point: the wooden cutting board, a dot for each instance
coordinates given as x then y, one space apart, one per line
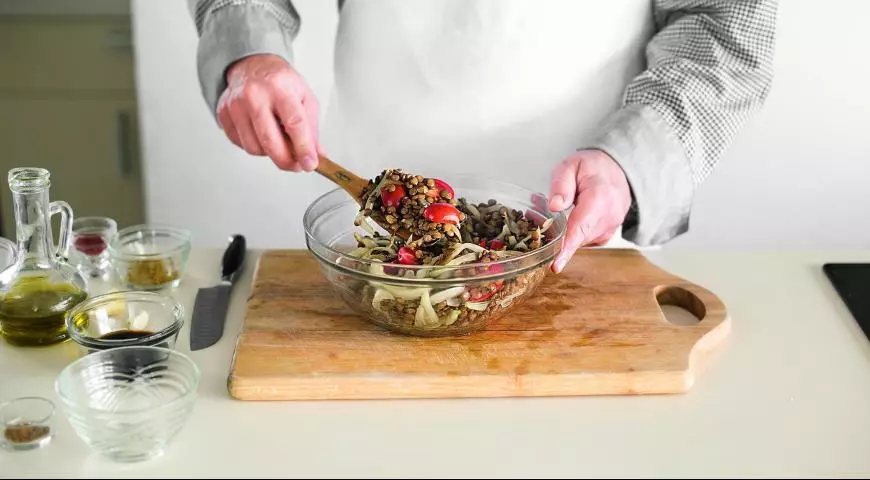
594 329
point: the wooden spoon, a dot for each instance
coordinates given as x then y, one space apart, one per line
347 180
354 185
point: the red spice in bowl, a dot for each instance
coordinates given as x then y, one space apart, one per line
90 243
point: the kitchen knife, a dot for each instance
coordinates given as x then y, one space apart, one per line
210 306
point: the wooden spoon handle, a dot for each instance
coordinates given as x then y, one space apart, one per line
349 181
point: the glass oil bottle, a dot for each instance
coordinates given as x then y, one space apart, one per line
39 288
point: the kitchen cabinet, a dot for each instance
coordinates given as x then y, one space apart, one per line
90 147
83 53
68 104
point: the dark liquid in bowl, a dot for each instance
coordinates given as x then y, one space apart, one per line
126 334
135 363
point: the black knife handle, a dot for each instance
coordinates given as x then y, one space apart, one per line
234 258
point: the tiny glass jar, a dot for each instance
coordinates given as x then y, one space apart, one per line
91 237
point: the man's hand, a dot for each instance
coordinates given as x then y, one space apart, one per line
595 184
267 101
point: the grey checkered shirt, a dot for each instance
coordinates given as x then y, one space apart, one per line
709 68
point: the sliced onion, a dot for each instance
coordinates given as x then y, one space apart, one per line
425 314
420 317
447 294
447 260
378 269
506 301
468 257
479 306
431 315
547 224
451 317
366 226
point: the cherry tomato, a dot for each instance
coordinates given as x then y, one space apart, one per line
496 244
442 213
480 295
441 186
482 243
407 256
394 198
486 292
493 269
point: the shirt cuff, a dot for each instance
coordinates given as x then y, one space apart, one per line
233 32
658 172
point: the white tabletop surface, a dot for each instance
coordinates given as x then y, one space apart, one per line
788 395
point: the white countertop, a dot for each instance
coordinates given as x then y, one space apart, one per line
788 395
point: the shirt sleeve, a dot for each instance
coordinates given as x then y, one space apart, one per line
709 68
230 30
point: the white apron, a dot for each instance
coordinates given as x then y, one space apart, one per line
492 87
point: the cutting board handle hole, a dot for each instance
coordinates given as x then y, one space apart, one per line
680 306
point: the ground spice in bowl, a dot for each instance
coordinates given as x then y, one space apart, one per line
25 432
151 273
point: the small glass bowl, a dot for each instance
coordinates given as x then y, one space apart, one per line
28 423
150 257
129 403
127 318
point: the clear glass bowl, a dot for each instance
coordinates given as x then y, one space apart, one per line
127 318
8 253
150 257
129 403
392 300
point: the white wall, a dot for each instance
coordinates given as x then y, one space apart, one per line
795 177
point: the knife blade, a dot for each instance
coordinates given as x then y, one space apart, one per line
211 303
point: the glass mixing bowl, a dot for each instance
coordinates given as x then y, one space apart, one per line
427 300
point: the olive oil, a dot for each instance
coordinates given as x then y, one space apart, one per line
32 312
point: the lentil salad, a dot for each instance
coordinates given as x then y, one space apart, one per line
444 231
